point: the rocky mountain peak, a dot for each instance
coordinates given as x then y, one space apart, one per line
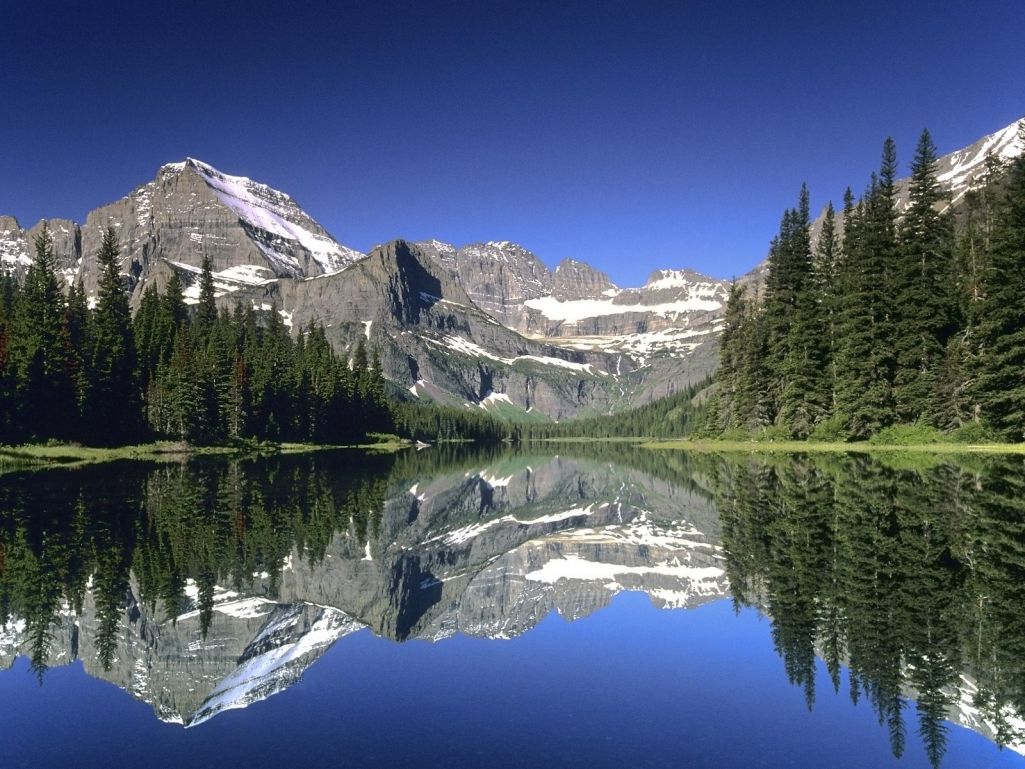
574 279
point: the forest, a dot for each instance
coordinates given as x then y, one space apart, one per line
91 373
888 317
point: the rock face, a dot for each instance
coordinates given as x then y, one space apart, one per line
436 342
250 232
579 280
579 307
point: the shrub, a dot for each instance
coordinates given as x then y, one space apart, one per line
831 430
907 435
974 432
773 434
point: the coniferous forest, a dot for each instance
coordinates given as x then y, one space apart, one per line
97 375
889 317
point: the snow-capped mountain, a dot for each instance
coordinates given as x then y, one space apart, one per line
577 306
252 233
486 325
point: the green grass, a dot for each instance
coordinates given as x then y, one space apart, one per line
823 446
29 456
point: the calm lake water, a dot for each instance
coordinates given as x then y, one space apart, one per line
603 607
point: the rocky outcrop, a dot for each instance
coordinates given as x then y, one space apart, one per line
579 280
434 341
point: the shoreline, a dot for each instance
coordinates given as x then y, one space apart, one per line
69 455
857 447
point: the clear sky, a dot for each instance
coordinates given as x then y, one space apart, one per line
633 135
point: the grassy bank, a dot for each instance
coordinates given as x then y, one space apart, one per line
821 446
73 455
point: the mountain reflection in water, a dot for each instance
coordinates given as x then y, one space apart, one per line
207 586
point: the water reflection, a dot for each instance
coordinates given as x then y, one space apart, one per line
210 585
207 586
908 571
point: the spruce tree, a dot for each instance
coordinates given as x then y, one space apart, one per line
804 368
923 291
45 389
864 392
75 338
206 310
1000 384
826 289
8 380
114 404
730 360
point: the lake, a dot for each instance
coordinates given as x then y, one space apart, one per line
558 605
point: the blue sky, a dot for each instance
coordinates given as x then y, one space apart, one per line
632 135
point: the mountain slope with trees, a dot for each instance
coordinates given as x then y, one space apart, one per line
912 317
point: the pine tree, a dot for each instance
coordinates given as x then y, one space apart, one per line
45 388
730 359
826 289
206 310
864 392
8 381
174 298
1001 360
114 404
75 338
923 291
804 369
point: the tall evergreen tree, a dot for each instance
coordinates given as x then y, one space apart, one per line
45 387
114 394
805 397
864 393
206 310
826 289
923 291
1001 362
76 338
8 380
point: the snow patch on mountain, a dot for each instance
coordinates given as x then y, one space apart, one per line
13 250
466 347
576 310
960 169
225 281
276 213
573 567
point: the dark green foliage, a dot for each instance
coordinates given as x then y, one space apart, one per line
112 408
39 351
923 287
908 319
864 394
206 310
1000 386
101 377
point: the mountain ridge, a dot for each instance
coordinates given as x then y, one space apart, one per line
485 324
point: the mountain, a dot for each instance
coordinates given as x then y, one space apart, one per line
463 326
579 307
251 232
483 325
